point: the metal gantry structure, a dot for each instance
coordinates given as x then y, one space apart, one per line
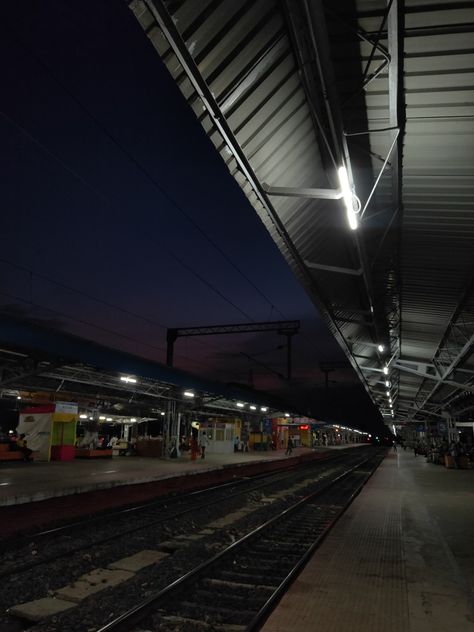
287 328
289 92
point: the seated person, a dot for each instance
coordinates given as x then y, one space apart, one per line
23 448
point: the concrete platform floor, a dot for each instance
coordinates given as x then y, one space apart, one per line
37 495
401 559
30 482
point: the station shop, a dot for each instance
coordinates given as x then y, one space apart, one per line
61 432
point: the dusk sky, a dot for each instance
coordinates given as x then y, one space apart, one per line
115 199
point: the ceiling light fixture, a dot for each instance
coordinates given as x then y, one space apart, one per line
129 380
240 405
385 370
188 394
380 348
348 197
264 409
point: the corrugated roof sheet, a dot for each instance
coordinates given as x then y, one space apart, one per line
253 56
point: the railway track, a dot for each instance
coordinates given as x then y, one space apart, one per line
182 538
62 542
238 587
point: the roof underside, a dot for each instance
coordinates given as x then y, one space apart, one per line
287 92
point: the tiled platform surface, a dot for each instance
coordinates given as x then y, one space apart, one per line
401 559
30 482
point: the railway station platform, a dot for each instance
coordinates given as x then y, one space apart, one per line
400 559
33 494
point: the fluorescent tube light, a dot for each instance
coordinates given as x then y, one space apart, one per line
130 380
347 197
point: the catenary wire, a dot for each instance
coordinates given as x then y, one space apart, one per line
144 171
155 183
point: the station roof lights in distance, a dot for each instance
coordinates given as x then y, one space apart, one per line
351 430
128 379
252 407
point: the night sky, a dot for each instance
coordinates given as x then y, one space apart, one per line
119 219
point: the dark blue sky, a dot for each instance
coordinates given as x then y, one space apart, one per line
111 188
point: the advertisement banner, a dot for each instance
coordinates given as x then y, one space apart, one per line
65 411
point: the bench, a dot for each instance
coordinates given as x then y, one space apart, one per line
85 453
9 455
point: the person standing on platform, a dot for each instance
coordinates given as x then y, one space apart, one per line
236 444
289 447
454 452
203 443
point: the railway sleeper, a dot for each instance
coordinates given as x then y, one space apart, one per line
258 565
182 623
254 579
248 558
204 612
285 548
227 584
231 599
261 555
171 546
305 537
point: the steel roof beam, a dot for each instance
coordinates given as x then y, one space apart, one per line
165 22
321 194
443 379
337 269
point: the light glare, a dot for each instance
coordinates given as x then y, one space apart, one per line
129 380
348 197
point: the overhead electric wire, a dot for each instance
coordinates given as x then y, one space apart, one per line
154 182
147 174
162 245
89 324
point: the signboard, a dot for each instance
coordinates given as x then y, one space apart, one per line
70 408
65 411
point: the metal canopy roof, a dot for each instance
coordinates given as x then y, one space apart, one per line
34 359
290 91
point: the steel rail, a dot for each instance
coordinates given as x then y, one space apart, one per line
40 561
126 621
